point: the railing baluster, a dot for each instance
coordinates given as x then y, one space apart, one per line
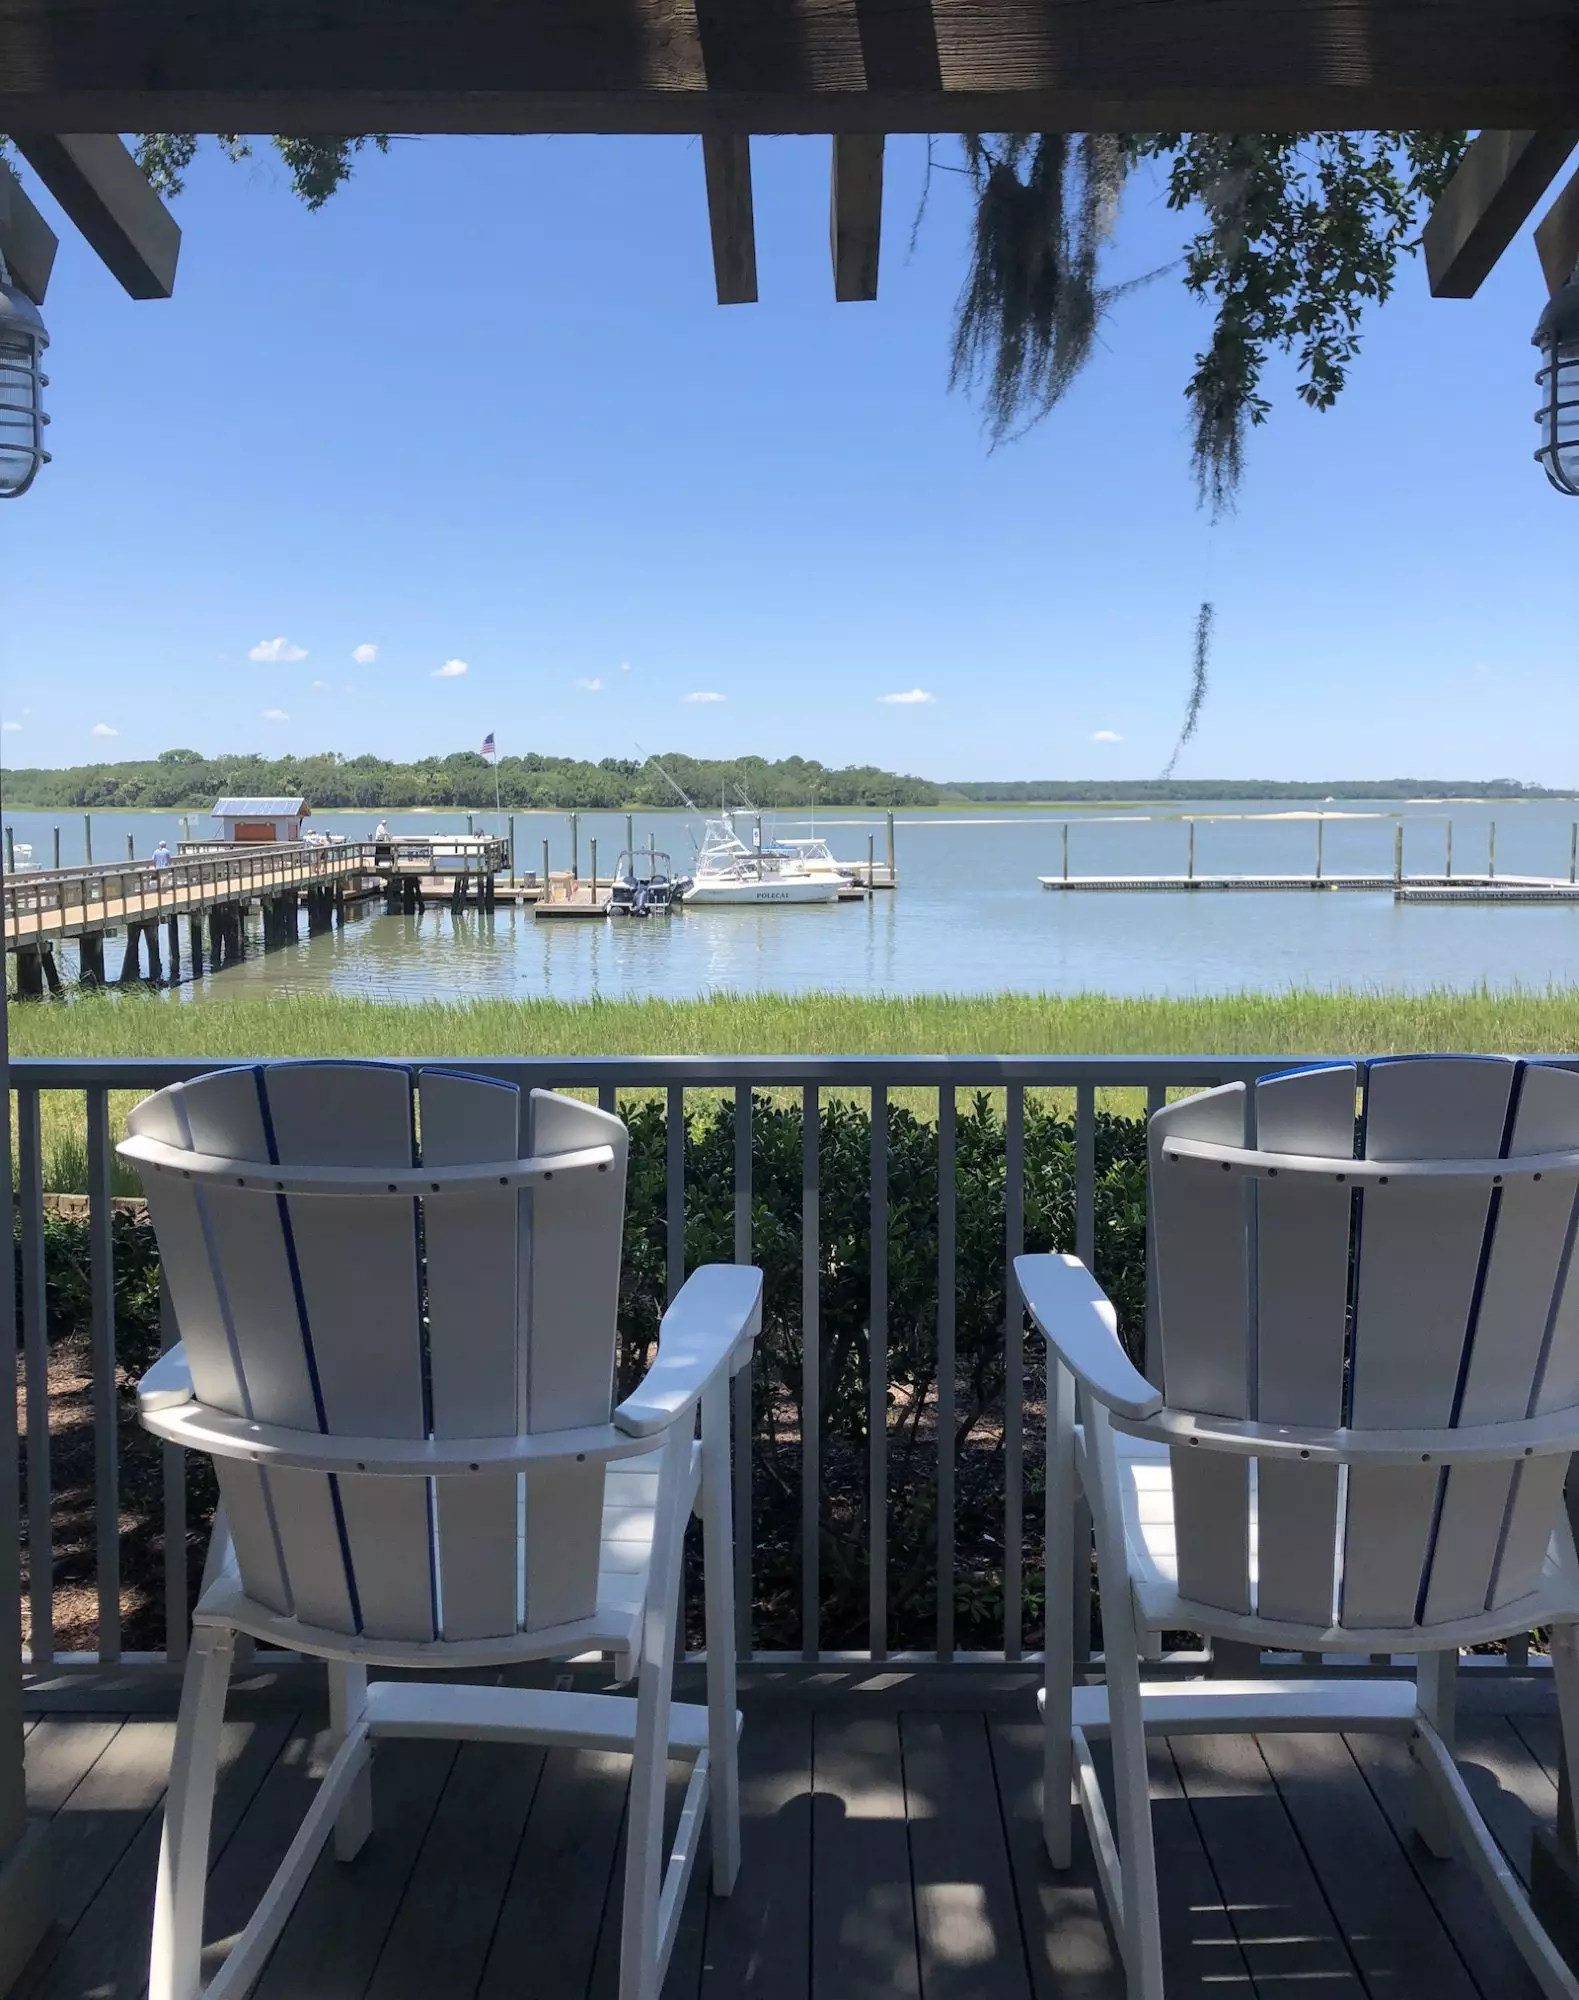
1079 1527
106 1439
35 1349
675 1158
877 1382
744 1416
810 1380
608 1097
947 1417
175 1624
1156 1100
1013 1373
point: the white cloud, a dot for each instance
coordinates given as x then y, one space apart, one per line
702 695
320 686
1106 736
909 699
625 666
275 715
276 652
451 670
10 725
364 655
104 729
592 685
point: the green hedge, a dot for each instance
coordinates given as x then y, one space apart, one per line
844 1142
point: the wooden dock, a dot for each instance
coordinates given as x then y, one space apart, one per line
1403 889
214 887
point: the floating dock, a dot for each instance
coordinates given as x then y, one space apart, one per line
1403 889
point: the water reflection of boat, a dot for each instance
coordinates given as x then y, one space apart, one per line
729 871
645 885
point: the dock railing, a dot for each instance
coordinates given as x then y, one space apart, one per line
806 1164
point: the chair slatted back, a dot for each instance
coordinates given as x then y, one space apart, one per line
1415 1304
483 1314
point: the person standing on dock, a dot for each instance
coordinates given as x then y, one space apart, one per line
161 856
381 831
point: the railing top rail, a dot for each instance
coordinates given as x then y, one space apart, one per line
857 1072
247 854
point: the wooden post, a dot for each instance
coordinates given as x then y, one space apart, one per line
575 849
542 894
87 838
1064 844
131 847
1573 852
1190 864
469 828
194 945
1321 828
630 837
871 863
155 968
56 862
1449 875
29 972
172 932
90 959
594 871
893 879
1398 854
512 850
46 953
10 851
130 957
1491 851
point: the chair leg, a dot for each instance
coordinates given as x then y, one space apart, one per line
1565 1672
1436 1679
723 1746
347 1699
175 1961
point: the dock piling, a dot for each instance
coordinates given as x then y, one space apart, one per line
630 835
1189 872
1321 828
29 970
512 849
1573 852
1398 853
155 967
90 959
131 847
575 848
1447 872
893 879
546 885
10 851
594 871
1064 844
194 945
87 838
56 862
173 945
1491 851
871 862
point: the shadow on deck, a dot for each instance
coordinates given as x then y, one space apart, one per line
892 1847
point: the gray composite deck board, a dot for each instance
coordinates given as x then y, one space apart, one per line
892 1845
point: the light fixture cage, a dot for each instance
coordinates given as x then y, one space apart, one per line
23 340
1557 337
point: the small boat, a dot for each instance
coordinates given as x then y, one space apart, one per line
729 872
645 885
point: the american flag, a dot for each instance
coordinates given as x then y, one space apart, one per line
487 744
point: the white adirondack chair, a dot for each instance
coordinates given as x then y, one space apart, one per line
1369 1358
396 1295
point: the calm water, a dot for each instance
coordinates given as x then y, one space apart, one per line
969 916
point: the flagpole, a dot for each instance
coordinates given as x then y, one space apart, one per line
498 809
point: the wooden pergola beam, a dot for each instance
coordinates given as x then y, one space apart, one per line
1487 202
855 220
726 158
27 242
101 187
1557 238
791 66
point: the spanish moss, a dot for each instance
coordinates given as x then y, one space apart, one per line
1192 708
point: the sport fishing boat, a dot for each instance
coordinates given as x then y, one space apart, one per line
731 871
645 885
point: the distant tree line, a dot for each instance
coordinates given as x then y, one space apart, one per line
181 780
1058 791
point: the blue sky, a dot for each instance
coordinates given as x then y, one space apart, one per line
482 409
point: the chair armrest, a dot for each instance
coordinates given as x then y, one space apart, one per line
1076 1315
167 1384
716 1315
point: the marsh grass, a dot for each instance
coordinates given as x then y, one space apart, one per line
1354 1021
